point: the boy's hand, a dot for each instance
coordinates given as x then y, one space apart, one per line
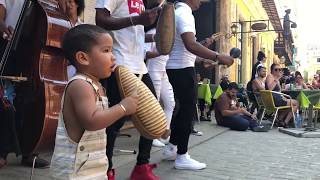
130 104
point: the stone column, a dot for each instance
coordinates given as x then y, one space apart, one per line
89 11
224 14
246 57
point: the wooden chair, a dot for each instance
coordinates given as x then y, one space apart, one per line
268 102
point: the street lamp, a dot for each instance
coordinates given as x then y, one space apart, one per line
234 29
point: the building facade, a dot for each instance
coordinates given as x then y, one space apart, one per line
244 13
218 16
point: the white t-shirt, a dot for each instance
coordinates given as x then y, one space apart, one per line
157 63
180 57
13 10
128 43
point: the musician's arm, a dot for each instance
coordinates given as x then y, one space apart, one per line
3 26
105 20
207 42
149 38
152 54
189 41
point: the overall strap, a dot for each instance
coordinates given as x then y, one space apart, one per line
85 78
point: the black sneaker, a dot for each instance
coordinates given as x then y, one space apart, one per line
196 133
202 118
261 129
39 163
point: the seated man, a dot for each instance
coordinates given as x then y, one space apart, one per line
258 84
229 114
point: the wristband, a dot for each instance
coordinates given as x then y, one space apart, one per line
217 55
152 37
123 108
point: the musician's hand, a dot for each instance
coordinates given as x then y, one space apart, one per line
6 31
130 104
11 30
209 63
148 17
224 59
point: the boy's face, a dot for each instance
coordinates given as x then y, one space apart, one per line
101 59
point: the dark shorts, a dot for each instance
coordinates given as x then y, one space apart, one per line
278 100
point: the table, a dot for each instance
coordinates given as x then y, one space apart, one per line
217 91
305 102
204 92
208 92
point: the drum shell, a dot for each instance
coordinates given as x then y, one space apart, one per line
166 28
150 119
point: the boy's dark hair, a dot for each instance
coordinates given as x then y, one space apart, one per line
261 55
81 6
233 85
80 38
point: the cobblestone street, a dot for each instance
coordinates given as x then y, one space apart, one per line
249 155
228 154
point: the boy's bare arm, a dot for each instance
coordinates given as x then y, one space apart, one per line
83 100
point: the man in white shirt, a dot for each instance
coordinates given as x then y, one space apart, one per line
125 19
10 11
181 72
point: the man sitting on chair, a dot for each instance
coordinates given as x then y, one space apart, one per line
229 114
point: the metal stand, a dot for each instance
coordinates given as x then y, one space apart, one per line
125 151
33 164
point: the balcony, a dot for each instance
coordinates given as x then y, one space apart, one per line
284 47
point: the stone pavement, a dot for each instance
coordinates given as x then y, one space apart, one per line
228 154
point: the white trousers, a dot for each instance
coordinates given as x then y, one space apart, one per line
164 92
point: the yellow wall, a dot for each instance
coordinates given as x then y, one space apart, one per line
89 11
244 10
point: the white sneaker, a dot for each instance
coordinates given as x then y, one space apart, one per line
185 162
196 132
169 152
157 143
165 141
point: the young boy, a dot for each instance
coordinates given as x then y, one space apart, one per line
80 139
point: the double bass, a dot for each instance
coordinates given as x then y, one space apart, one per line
39 59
